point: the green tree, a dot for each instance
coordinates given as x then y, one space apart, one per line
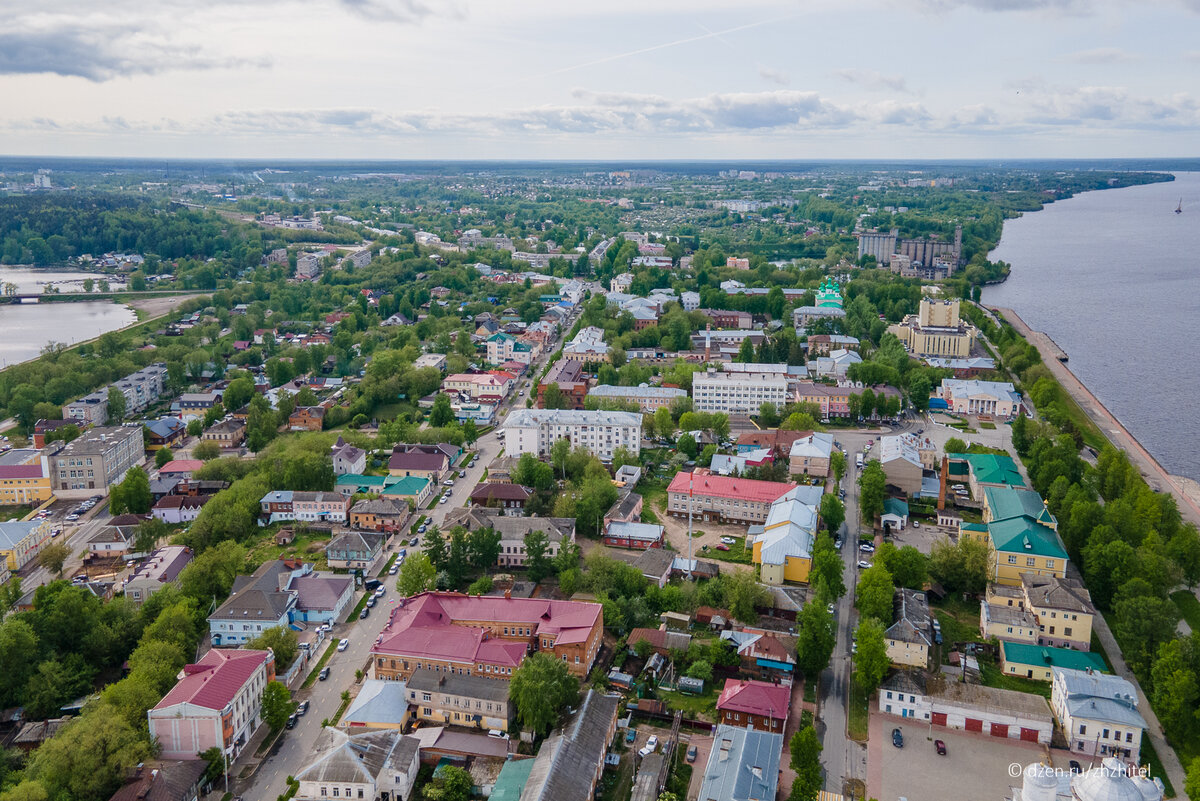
210 575
116 406
206 451
873 597
542 688
872 484
962 567
745 353
870 655
483 545
833 513
132 494
955 445
664 424
744 595
449 783
480 586
837 463
908 566
18 649
827 568
700 669
276 705
1020 434
27 790
1143 624
54 556
282 641
470 431
817 638
553 397
162 456
195 427
768 415
687 445
1192 785
806 750
442 413
559 453
435 547
537 556
417 575
88 757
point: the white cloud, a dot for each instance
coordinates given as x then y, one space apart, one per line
870 79
1102 55
773 75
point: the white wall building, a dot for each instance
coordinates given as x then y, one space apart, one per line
536 430
1098 713
737 393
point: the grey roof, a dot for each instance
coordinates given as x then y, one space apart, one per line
380 506
1099 696
13 532
624 505
529 418
645 786
163 781
320 591
425 680
742 766
257 597
341 757
362 541
1052 592
644 391
636 531
912 617
568 759
379 701
510 528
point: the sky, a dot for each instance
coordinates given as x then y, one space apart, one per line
606 79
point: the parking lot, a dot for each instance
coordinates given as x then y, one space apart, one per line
975 765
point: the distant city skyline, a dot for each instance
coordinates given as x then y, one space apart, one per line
468 79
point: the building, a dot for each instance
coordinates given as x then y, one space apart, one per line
783 547
1098 714
502 347
166 432
1022 535
726 464
508 497
1003 616
90 410
721 498
809 455
174 509
379 705
485 636
1038 662
161 568
380 514
743 765
453 699
568 375
737 393
803 316
514 530
217 703
964 368
306 418
435 360
1042 610
777 440
94 461
570 762
754 704
621 283
228 433
878 244
729 318
493 387
633 535
25 484
910 637
258 602
175 780
179 469
409 461
836 365
288 505
763 656
22 540
936 331
371 765
964 706
355 551
347 458
197 404
901 462
972 396
588 346
648 398
823 344
662 641
601 432
407 489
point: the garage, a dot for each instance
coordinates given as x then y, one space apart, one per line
1029 735
999 730
974 724
939 718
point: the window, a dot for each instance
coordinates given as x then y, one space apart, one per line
1012 560
1030 561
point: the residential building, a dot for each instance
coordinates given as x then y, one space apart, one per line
601 432
514 530
763 655
22 540
179 469
633 535
836 365
502 347
690 301
737 393
783 546
409 461
1098 714
901 463
97 459
159 780
308 266
257 602
196 404
735 263
116 538
43 428
823 344
662 640
227 433
810 455
1041 610
161 568
380 514
588 346
90 410
743 765
410 489
453 699
802 316
174 509
379 705
25 484
508 497
833 401
725 464
355 551
721 498
485 636
648 398
751 704
972 396
729 318
320 597
347 458
1003 616
1037 662
936 330
570 762
491 387
217 703
166 432
370 765
436 360
288 505
964 706
568 375
777 440
910 637
621 283
142 388
306 418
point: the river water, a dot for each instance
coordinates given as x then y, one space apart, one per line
1114 278
25 329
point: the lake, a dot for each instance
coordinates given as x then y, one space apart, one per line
1114 278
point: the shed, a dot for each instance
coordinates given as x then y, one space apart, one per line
689 685
676 620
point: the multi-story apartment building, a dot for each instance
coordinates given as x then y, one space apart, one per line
90 410
217 703
502 347
96 460
485 636
140 389
723 499
737 393
1042 610
160 569
646 397
536 430
453 699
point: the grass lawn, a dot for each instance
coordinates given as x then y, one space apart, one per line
988 426
1189 607
312 674
992 677
696 707
14 512
737 552
960 623
1150 759
308 545
857 724
810 691
681 774
1098 648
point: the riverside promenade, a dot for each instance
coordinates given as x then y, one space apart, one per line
1155 474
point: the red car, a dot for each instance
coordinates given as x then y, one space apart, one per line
720 546
940 746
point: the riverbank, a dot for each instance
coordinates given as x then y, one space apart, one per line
1154 473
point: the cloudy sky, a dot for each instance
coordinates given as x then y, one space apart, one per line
601 79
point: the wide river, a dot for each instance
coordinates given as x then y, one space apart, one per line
26 329
1114 278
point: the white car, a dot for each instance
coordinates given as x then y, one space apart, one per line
650 747
728 540
867 547
343 645
443 499
864 565
448 482
916 524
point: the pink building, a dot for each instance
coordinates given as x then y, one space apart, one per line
218 702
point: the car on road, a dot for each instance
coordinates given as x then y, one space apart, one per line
897 738
448 482
462 473
838 543
324 674
343 644
380 591
864 565
728 540
365 613
1075 766
691 753
301 708
394 569
413 542
443 499
72 517
866 547
370 602
940 746
291 721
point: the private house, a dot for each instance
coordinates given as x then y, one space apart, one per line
514 530
782 546
721 498
196 404
313 507
306 418
228 433
809 455
571 760
1037 662
1098 714
116 538
895 515
743 765
355 551
901 462
656 564
216 703
22 540
179 468
662 641
963 706
485 636
371 765
726 464
910 637
492 387
320 597
405 462
161 568
778 441
763 656
755 705
452 699
626 509
408 489
257 602
379 705
633 535
347 458
502 347
179 508
166 432
510 498
380 514
172 780
822 344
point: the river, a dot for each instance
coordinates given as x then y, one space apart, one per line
26 329
1114 278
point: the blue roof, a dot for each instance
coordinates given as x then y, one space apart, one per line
771 663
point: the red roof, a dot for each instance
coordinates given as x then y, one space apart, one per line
416 460
181 466
20 471
755 698
706 483
500 492
214 681
182 501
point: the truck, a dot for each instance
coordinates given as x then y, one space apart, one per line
858 460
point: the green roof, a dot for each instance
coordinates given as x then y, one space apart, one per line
957 467
358 480
895 506
1025 654
972 527
1022 535
989 468
406 485
1008 502
511 780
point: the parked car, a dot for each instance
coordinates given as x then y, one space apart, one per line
722 546
940 746
864 565
343 644
421 529
652 742
897 738
380 591
497 734
630 735
413 542
443 499
370 603
691 753
866 547
301 708
728 540
291 721
324 674
448 482
916 524
365 613
394 569
1075 767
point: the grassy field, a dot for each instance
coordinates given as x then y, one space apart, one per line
1098 648
1189 607
697 707
13 512
992 677
1149 758
308 545
960 623
737 552
857 724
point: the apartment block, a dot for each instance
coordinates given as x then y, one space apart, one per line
96 460
737 393
536 430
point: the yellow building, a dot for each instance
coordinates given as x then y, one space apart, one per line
1043 610
22 540
379 704
936 331
1003 616
1037 662
783 549
452 699
910 639
24 479
1022 536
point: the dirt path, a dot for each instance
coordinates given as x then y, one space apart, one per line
156 307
